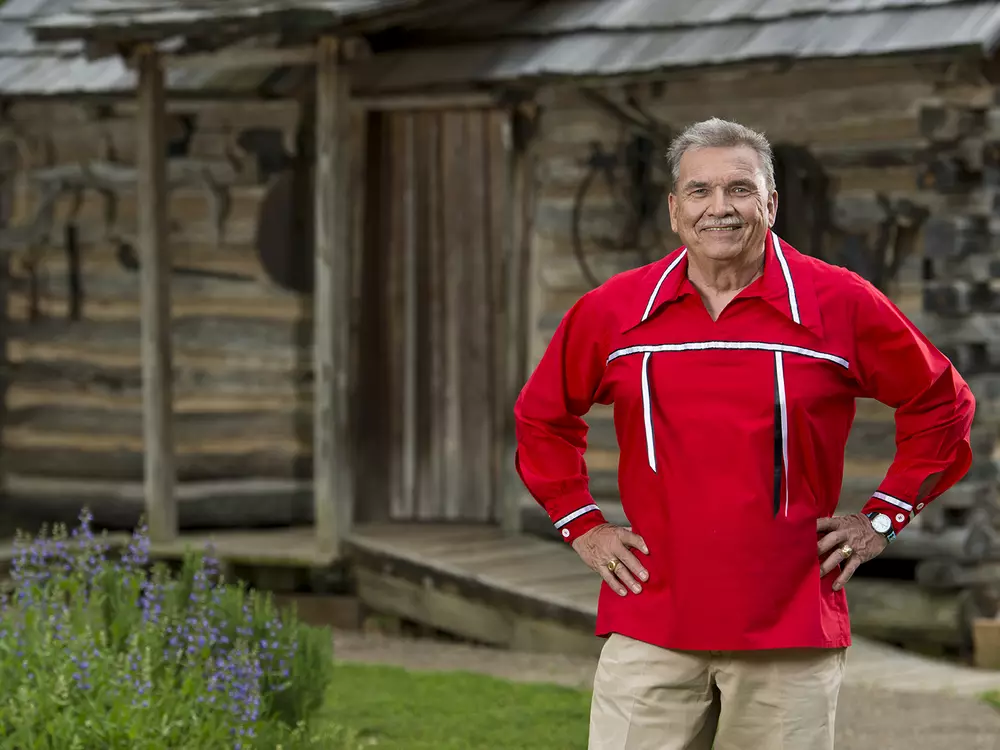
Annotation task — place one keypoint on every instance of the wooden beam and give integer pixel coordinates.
(332, 462)
(229, 58)
(426, 102)
(411, 309)
(511, 491)
(242, 58)
(154, 281)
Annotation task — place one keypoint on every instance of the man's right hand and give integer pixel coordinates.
(606, 543)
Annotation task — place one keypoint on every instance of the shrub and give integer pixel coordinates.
(104, 651)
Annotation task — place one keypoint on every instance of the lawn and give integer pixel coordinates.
(993, 698)
(455, 710)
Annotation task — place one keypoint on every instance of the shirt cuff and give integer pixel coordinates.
(579, 521)
(899, 509)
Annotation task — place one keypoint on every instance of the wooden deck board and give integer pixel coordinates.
(519, 575)
(486, 586)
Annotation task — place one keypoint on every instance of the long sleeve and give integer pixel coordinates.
(549, 426)
(897, 365)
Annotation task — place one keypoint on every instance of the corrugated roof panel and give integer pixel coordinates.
(557, 38)
(109, 75)
(935, 26)
(28, 9)
(607, 15)
(779, 39)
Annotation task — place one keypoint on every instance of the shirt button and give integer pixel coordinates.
(565, 533)
(920, 506)
(900, 518)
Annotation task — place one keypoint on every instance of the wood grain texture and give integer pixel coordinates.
(332, 467)
(154, 298)
(242, 347)
(431, 390)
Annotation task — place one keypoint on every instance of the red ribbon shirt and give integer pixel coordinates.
(732, 436)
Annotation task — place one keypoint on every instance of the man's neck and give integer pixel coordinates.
(728, 277)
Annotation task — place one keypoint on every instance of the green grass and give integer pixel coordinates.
(455, 711)
(993, 698)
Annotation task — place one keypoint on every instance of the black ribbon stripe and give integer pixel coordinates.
(778, 441)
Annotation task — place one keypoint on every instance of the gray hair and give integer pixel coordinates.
(719, 133)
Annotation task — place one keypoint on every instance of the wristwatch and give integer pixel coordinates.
(882, 525)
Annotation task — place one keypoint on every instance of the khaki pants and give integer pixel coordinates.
(650, 698)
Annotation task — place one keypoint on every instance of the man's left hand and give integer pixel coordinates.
(855, 531)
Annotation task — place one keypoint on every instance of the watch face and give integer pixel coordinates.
(881, 523)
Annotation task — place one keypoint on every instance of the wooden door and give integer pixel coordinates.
(431, 290)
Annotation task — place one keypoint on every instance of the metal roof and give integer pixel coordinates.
(507, 41)
(29, 67)
(521, 41)
(154, 20)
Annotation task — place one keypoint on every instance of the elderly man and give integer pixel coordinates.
(733, 365)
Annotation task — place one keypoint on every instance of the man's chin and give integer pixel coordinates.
(721, 245)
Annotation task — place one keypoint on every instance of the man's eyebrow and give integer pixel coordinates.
(738, 182)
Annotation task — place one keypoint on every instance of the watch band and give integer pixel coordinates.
(890, 535)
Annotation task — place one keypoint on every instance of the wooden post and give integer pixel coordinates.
(154, 289)
(516, 264)
(410, 327)
(332, 460)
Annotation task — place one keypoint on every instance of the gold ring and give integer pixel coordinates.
(613, 566)
(846, 551)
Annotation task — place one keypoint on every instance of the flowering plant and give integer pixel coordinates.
(99, 652)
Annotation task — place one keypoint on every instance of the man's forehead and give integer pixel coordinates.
(718, 163)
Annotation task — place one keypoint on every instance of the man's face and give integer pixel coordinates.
(721, 207)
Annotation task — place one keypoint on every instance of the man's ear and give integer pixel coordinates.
(672, 205)
(772, 208)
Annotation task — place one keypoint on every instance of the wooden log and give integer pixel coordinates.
(904, 613)
(193, 334)
(333, 482)
(285, 369)
(22, 305)
(240, 503)
(89, 457)
(954, 238)
(950, 575)
(116, 283)
(947, 123)
(151, 191)
(287, 424)
(958, 297)
(209, 385)
(103, 259)
(947, 173)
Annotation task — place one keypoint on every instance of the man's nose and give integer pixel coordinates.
(720, 202)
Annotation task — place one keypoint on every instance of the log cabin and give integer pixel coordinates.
(503, 161)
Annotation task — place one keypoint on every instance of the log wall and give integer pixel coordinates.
(861, 121)
(242, 343)
(428, 312)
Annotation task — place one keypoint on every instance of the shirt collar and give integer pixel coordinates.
(786, 285)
